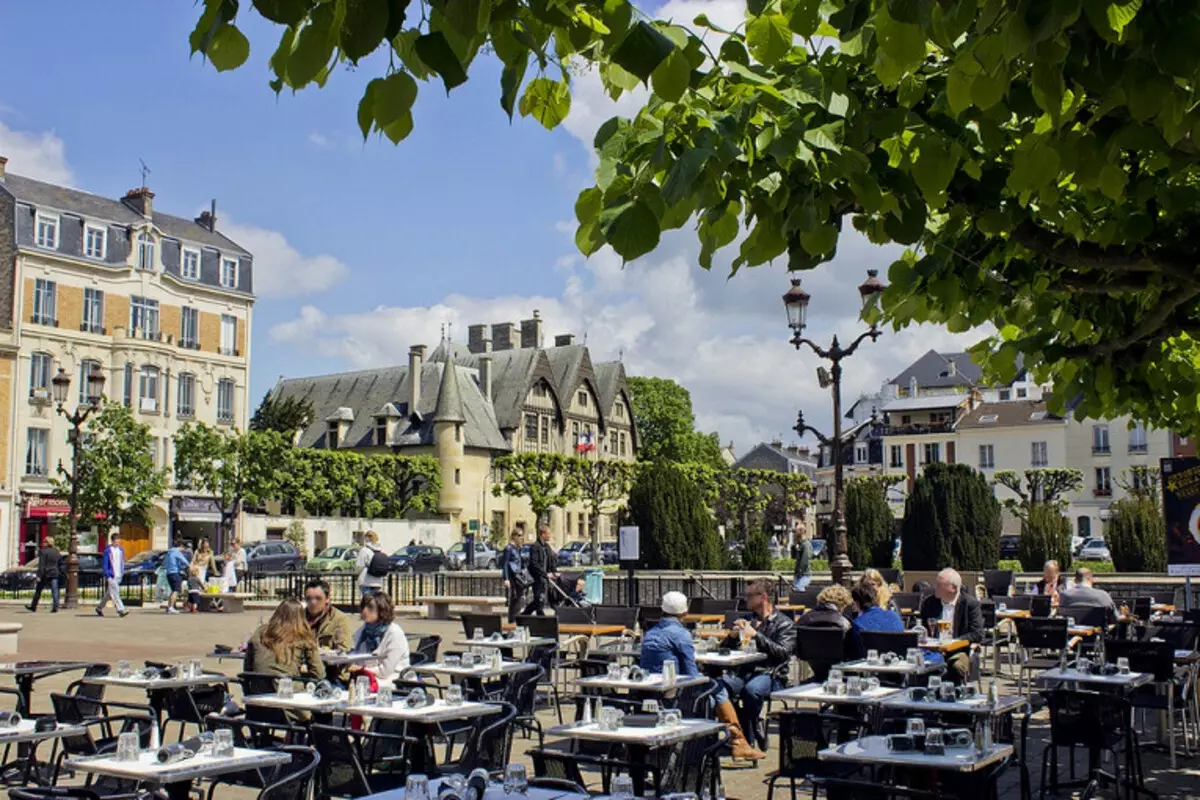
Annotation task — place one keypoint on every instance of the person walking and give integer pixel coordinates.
(541, 568)
(50, 563)
(516, 577)
(373, 564)
(804, 556)
(114, 571)
(177, 565)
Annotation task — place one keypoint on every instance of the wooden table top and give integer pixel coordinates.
(952, 646)
(792, 608)
(713, 633)
(1014, 613)
(712, 619)
(581, 629)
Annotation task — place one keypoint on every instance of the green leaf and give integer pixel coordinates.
(366, 108)
(912, 89)
(1034, 166)
(405, 45)
(284, 12)
(987, 90)
(825, 137)
(958, 89)
(588, 21)
(901, 42)
(912, 12)
(769, 38)
(1083, 329)
(468, 17)
(718, 228)
(588, 237)
(934, 169)
(631, 229)
(548, 101)
(642, 49)
(803, 16)
(510, 84)
(1112, 181)
(434, 51)
(589, 204)
(819, 241)
(399, 130)
(1121, 13)
(216, 13)
(364, 27)
(682, 175)
(1049, 88)
(394, 98)
(228, 49)
(314, 47)
(670, 80)
(397, 12)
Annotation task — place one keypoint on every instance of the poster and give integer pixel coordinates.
(1181, 506)
(628, 544)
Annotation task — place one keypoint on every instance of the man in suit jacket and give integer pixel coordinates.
(541, 567)
(949, 602)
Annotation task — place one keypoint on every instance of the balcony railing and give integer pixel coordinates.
(1103, 492)
(918, 429)
(1101, 450)
(1138, 447)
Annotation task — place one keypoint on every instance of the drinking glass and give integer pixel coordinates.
(933, 738)
(384, 696)
(285, 688)
(127, 746)
(623, 674)
(835, 675)
(911, 655)
(934, 683)
(1070, 622)
(614, 671)
(454, 695)
(515, 779)
(197, 668)
(1122, 666)
(871, 685)
(854, 686)
(622, 788)
(670, 670)
(417, 788)
(872, 656)
(672, 717)
(477, 635)
(362, 686)
(922, 633)
(124, 669)
(456, 782)
(1002, 607)
(179, 670)
(453, 661)
(650, 706)
(222, 743)
(915, 726)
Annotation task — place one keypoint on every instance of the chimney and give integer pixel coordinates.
(416, 359)
(476, 336)
(912, 386)
(951, 367)
(3, 161)
(531, 331)
(485, 370)
(208, 219)
(564, 340)
(140, 200)
(504, 336)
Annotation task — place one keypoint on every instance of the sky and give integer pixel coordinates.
(363, 249)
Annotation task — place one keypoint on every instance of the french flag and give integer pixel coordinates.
(586, 442)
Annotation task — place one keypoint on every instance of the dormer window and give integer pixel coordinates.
(146, 252)
(189, 268)
(331, 438)
(583, 399)
(46, 231)
(95, 241)
(229, 273)
(381, 431)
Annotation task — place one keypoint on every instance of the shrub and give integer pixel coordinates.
(1137, 535)
(951, 518)
(757, 554)
(870, 525)
(1045, 535)
(677, 530)
(296, 534)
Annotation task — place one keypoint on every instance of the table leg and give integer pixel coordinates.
(179, 791)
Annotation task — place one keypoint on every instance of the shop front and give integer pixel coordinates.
(39, 515)
(196, 518)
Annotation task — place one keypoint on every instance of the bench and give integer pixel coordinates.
(8, 636)
(439, 607)
(228, 602)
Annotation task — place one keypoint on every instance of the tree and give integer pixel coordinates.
(1040, 158)
(298, 536)
(1045, 536)
(1041, 487)
(677, 529)
(951, 519)
(870, 524)
(756, 555)
(539, 477)
(118, 480)
(602, 485)
(1137, 535)
(788, 495)
(1143, 482)
(408, 484)
(231, 467)
(741, 498)
(665, 422)
(285, 415)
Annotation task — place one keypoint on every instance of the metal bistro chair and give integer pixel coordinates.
(897, 642)
(820, 648)
(1041, 606)
(108, 727)
(489, 623)
(648, 617)
(253, 683)
(998, 582)
(802, 735)
(426, 650)
(359, 763)
(616, 615)
(1096, 723)
(1157, 659)
(1047, 636)
(285, 782)
(488, 747)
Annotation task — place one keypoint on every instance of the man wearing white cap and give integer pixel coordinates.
(669, 639)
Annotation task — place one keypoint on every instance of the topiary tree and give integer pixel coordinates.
(870, 524)
(298, 536)
(677, 529)
(951, 519)
(757, 553)
(1045, 535)
(1137, 535)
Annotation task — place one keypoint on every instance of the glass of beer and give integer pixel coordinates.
(943, 630)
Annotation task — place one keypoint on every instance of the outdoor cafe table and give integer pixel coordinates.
(897, 669)
(482, 671)
(25, 673)
(1125, 682)
(976, 706)
(332, 659)
(815, 693)
(588, 629)
(426, 718)
(507, 643)
(734, 658)
(653, 683)
(24, 733)
(639, 742)
(703, 619)
(300, 701)
(177, 778)
(946, 647)
(873, 751)
(494, 790)
(156, 688)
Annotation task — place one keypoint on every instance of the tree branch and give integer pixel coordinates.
(1085, 255)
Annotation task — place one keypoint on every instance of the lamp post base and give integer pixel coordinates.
(841, 567)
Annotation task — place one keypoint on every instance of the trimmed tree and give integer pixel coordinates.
(1137, 532)
(677, 529)
(951, 519)
(1039, 505)
(757, 553)
(602, 485)
(1045, 536)
(870, 524)
(538, 477)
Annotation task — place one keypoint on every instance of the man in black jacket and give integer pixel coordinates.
(952, 604)
(541, 567)
(48, 572)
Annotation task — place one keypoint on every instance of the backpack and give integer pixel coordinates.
(380, 565)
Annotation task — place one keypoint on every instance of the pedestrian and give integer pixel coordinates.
(48, 571)
(195, 587)
(772, 633)
(541, 568)
(204, 561)
(239, 561)
(177, 564)
(373, 564)
(229, 575)
(114, 571)
(516, 578)
(804, 554)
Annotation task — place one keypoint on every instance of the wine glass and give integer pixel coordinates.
(515, 779)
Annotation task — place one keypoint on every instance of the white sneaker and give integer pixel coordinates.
(172, 610)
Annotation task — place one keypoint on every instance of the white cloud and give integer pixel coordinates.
(321, 141)
(280, 270)
(35, 155)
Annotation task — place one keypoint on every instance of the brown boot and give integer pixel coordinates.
(741, 748)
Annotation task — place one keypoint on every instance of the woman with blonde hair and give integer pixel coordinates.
(286, 645)
(204, 562)
(882, 591)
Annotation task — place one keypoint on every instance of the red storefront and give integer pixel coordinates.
(39, 514)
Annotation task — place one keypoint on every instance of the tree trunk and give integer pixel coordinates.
(595, 523)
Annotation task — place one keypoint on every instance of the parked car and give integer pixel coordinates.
(24, 577)
(1010, 547)
(340, 558)
(485, 556)
(571, 553)
(272, 556)
(418, 558)
(608, 553)
(143, 567)
(818, 546)
(1094, 550)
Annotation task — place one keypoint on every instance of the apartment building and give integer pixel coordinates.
(160, 304)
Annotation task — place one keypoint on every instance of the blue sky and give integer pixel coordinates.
(362, 250)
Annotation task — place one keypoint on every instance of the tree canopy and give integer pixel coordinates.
(662, 412)
(285, 415)
(1040, 158)
(231, 467)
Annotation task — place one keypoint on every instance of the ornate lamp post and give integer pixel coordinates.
(94, 390)
(796, 303)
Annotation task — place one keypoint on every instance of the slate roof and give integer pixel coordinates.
(449, 402)
(932, 371)
(767, 456)
(924, 403)
(1009, 414)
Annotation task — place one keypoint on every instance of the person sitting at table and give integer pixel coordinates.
(669, 639)
(286, 646)
(1077, 599)
(771, 632)
(333, 629)
(871, 617)
(883, 591)
(381, 636)
(949, 603)
(1052, 582)
(830, 610)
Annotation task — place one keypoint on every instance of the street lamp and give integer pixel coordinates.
(795, 301)
(94, 390)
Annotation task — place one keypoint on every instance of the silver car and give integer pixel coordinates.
(485, 556)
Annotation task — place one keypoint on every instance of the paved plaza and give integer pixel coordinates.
(152, 635)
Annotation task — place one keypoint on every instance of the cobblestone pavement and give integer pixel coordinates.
(151, 634)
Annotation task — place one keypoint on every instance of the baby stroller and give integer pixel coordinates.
(564, 591)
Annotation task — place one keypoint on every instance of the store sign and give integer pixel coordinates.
(46, 506)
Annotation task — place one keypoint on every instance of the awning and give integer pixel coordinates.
(199, 516)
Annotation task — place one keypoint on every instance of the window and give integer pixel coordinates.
(457, 432)
(189, 328)
(1022, 394)
(381, 431)
(127, 393)
(987, 456)
(228, 335)
(531, 431)
(906, 419)
(583, 400)
(545, 432)
(1085, 527)
(93, 311)
(189, 268)
(861, 453)
(621, 442)
(332, 434)
(41, 366)
(457, 477)
(229, 272)
(95, 241)
(143, 317)
(540, 390)
(35, 452)
(1005, 394)
(1038, 456)
(933, 452)
(1138, 479)
(1103, 482)
(148, 388)
(225, 400)
(85, 368)
(1100, 440)
(989, 417)
(145, 252)
(185, 396)
(897, 456)
(45, 305)
(619, 411)
(45, 233)
(1137, 439)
